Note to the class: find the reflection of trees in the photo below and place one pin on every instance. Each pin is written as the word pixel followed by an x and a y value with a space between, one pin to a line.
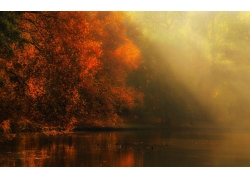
pixel 90 149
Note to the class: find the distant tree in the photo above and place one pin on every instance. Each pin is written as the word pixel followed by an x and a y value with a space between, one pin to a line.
pixel 167 54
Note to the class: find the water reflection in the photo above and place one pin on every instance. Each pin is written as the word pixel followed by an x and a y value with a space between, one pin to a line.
pixel 129 148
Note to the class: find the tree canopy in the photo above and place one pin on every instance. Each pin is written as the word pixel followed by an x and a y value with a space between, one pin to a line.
pixel 74 67
pixel 58 69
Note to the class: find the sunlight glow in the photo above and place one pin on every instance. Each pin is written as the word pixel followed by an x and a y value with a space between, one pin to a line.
pixel 208 52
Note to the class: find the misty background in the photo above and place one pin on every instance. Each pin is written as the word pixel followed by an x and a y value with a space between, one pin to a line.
pixel 195 67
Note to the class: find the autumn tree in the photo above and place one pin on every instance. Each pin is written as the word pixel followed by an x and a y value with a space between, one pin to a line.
pixel 120 56
pixel 73 68
pixel 11 83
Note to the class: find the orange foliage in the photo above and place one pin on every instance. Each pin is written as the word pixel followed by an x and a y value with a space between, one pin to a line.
pixel 129 54
pixel 75 67
pixel 5 126
pixel 35 87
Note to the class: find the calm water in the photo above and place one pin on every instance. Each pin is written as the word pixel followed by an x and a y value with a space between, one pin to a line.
pixel 129 148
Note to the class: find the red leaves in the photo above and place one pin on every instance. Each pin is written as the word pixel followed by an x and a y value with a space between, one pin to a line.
pixel 36 87
pixel 129 55
pixel 75 66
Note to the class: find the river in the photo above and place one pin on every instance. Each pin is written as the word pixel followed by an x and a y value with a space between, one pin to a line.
pixel 143 148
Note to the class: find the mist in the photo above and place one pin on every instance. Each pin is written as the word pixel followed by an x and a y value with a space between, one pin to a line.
pixel 195 64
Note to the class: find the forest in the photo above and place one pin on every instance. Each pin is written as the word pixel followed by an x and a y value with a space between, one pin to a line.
pixel 68 70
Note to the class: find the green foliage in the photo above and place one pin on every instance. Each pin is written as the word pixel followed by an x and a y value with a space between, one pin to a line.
pixel 9 33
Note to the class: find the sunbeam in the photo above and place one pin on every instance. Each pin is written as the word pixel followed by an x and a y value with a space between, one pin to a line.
pixel 208 53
